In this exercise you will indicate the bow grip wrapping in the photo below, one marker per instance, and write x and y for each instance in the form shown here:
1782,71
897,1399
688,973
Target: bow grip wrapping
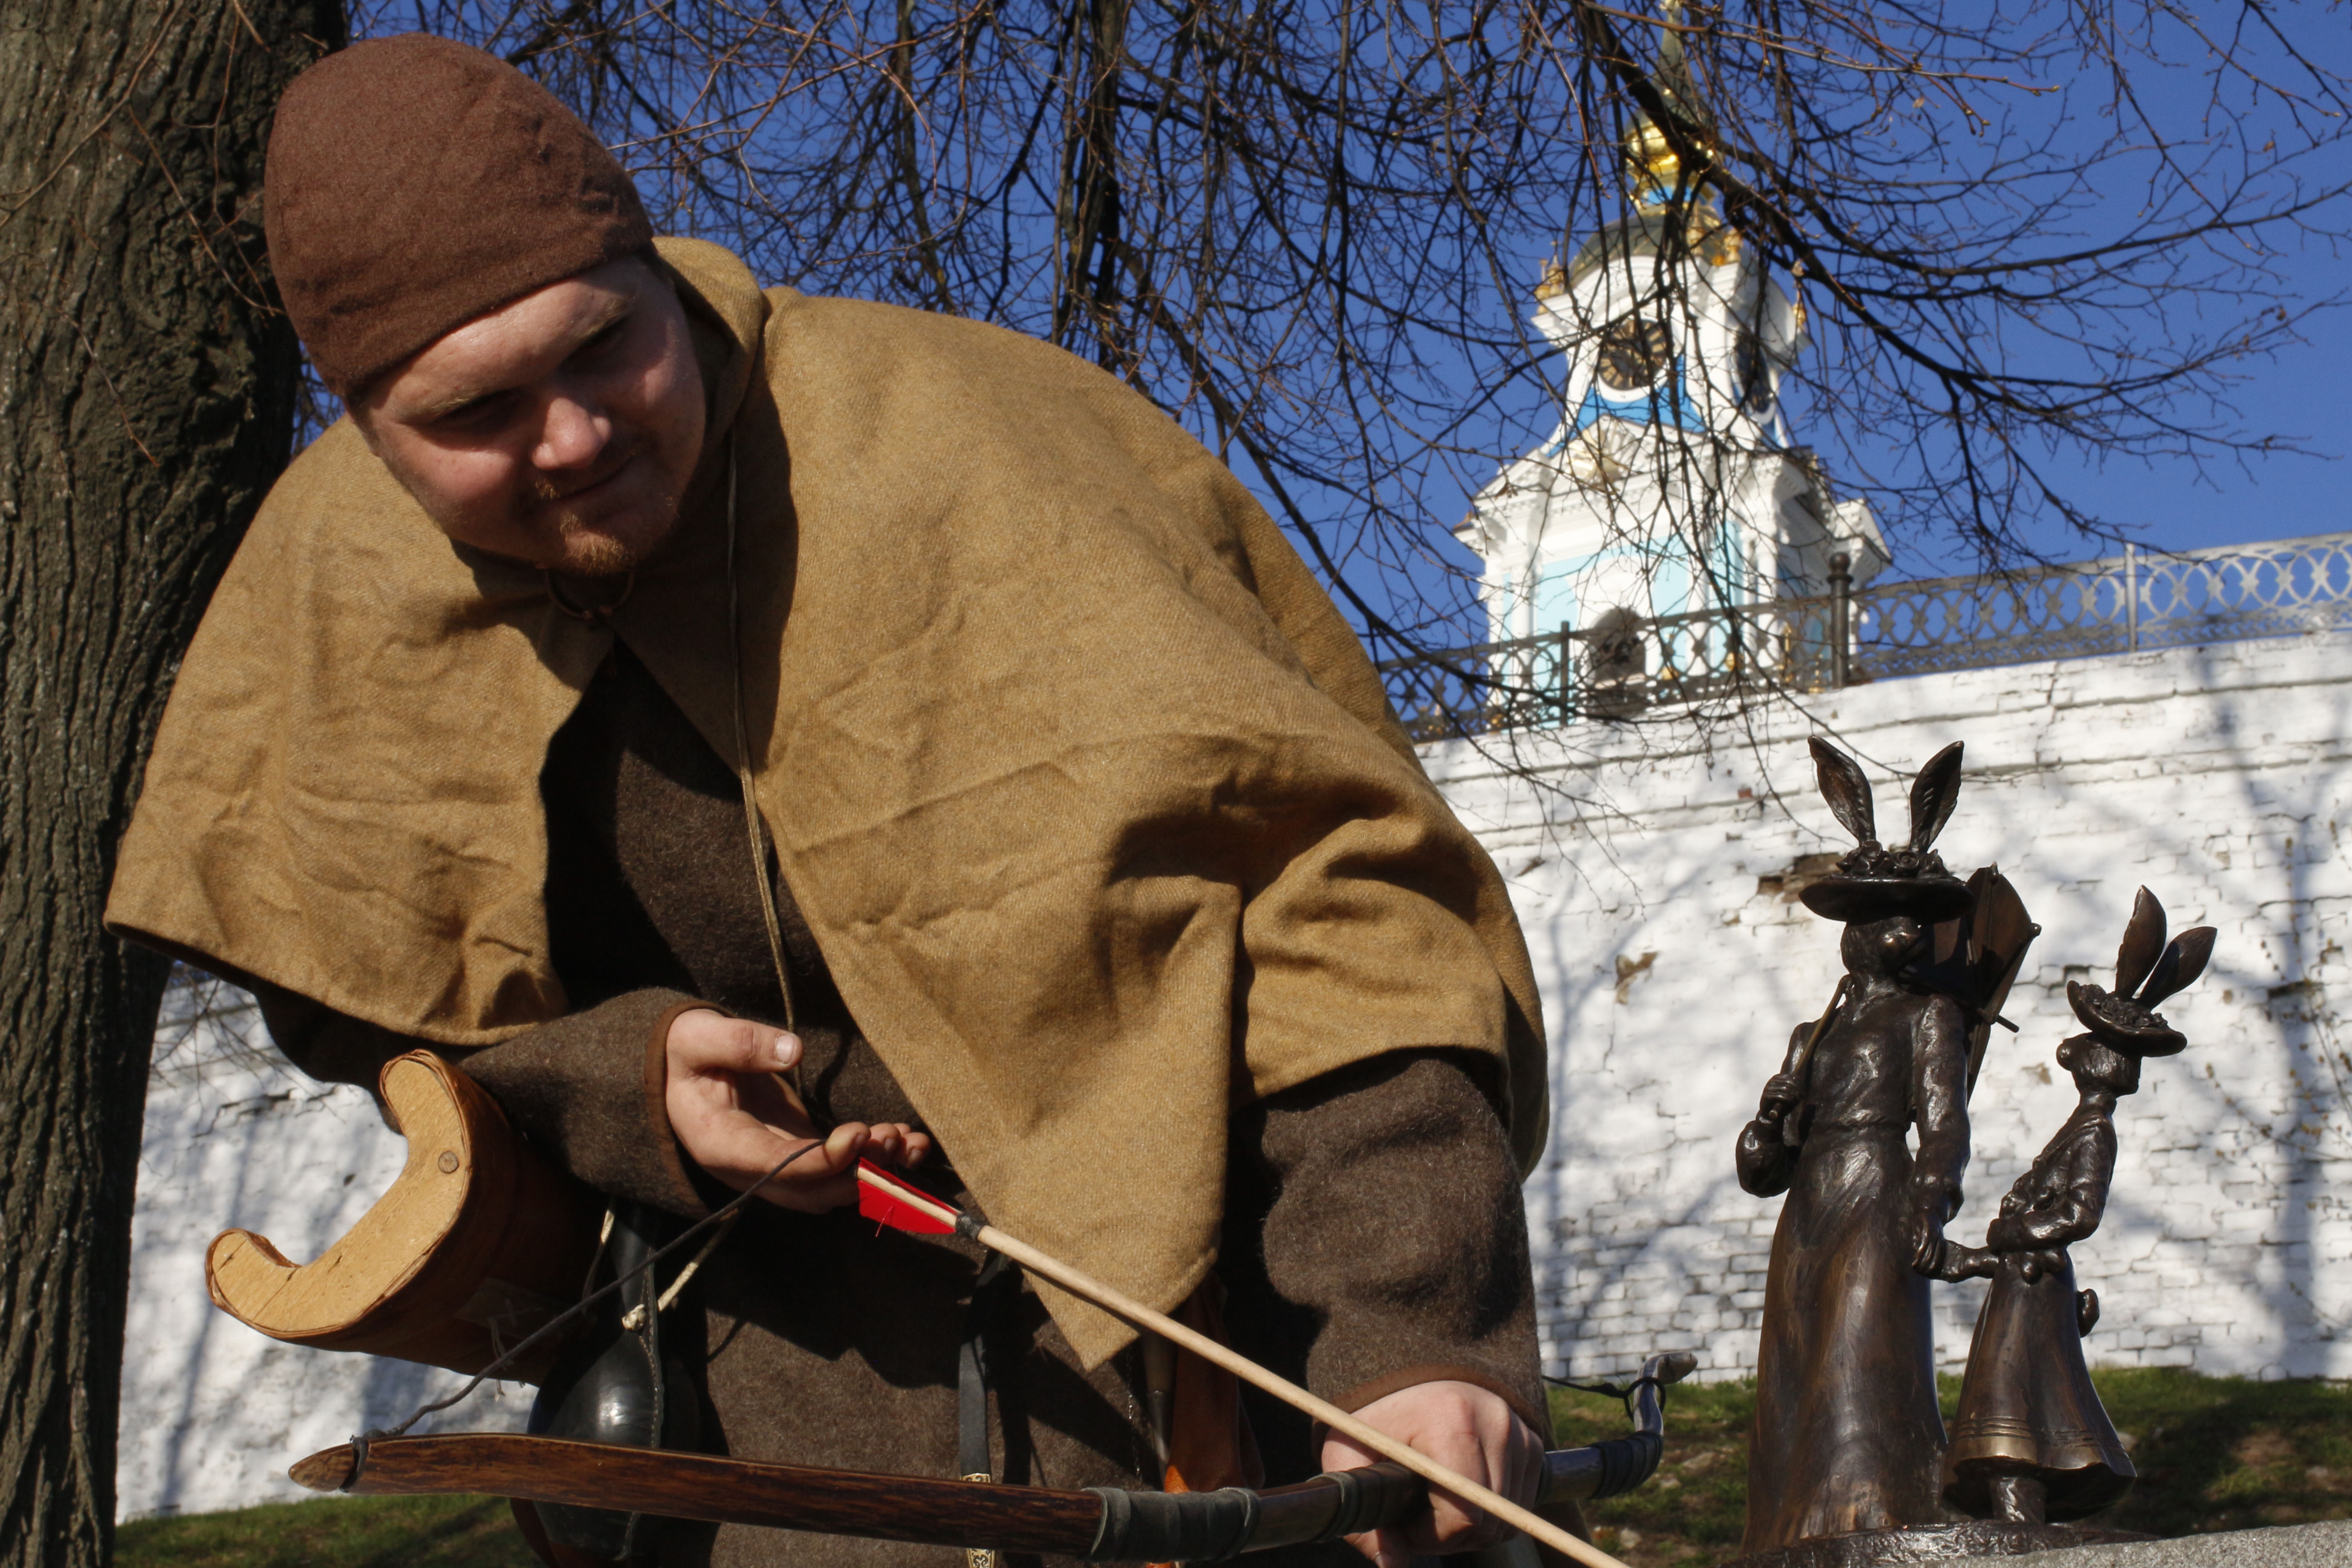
1173,1527
1211,1527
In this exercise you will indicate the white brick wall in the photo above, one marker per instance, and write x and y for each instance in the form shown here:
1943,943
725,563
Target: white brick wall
2221,777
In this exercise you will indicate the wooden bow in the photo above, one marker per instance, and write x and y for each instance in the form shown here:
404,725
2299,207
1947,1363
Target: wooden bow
1100,1524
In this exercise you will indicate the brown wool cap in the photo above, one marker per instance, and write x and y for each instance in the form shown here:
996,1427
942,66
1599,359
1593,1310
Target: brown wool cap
416,183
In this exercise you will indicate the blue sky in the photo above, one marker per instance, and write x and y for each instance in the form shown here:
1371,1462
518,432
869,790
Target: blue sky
2282,495
2294,393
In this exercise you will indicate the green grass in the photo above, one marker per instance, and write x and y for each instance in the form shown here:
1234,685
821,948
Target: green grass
2214,1453
2227,1453
1694,1509
332,1532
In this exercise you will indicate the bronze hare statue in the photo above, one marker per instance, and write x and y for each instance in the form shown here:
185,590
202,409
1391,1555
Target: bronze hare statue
2031,1442
1847,1435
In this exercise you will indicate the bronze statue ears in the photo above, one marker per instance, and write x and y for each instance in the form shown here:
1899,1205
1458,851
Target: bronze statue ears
1872,882
2147,969
2143,941
2183,963
2138,959
1846,790
1932,794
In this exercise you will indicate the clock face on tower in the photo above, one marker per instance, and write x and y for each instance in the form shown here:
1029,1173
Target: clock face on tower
1635,353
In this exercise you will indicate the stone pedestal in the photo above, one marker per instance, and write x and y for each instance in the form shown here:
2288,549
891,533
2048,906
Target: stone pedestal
1931,1543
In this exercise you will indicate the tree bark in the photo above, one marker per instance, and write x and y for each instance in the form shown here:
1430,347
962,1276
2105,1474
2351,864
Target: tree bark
147,389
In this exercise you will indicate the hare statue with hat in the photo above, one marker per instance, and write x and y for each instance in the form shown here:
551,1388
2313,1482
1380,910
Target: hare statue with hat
2031,1441
1848,1437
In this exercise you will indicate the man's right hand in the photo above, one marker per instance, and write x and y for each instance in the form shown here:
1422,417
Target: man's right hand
735,1117
1468,1429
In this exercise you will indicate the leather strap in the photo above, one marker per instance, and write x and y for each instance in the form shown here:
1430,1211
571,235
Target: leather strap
991,1293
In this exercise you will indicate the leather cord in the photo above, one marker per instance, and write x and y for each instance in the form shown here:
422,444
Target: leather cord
564,1320
754,829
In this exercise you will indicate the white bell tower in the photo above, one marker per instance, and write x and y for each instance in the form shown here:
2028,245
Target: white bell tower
1670,485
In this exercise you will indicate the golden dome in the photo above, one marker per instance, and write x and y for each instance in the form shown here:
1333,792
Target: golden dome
1651,165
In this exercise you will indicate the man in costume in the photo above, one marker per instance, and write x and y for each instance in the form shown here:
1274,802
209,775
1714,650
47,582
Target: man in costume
728,720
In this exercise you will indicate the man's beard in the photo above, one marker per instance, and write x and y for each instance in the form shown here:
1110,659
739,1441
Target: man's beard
589,553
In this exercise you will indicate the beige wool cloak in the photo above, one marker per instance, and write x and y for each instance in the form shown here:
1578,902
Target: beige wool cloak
1089,795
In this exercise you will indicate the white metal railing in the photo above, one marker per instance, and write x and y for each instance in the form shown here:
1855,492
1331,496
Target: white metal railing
2140,599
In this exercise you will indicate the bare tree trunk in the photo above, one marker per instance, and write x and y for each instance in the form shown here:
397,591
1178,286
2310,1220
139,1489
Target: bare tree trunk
146,401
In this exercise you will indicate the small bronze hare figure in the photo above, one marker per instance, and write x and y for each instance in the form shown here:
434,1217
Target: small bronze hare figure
2031,1442
1847,1435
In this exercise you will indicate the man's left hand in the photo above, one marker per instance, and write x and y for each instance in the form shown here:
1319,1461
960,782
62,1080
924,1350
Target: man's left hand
734,1116
1469,1430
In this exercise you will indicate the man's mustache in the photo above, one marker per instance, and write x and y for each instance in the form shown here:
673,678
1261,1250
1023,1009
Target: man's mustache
555,491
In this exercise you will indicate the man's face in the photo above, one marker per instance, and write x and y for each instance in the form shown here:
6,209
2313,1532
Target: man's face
560,430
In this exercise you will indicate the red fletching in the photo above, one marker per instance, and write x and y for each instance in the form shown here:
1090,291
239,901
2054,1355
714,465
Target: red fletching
886,1200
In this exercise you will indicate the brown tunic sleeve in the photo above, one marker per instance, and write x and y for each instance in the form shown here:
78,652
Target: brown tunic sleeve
1394,1234
586,1089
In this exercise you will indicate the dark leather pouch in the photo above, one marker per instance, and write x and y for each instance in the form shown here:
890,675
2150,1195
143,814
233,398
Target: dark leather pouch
613,1384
